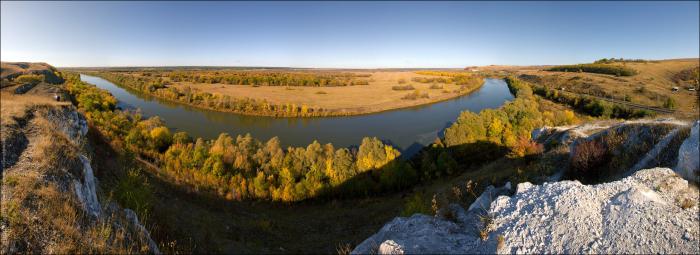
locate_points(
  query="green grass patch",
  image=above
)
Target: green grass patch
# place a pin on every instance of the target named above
(417, 203)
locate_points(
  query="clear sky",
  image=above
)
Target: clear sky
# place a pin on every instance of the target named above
(345, 34)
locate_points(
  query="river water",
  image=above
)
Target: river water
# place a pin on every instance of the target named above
(407, 128)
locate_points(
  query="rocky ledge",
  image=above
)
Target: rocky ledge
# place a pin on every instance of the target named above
(652, 211)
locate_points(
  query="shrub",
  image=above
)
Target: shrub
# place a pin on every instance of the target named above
(416, 204)
(404, 87)
(670, 104)
(525, 147)
(597, 108)
(586, 158)
(415, 95)
(161, 138)
(436, 86)
(133, 191)
(30, 78)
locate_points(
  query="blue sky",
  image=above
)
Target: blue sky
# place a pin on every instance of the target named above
(345, 34)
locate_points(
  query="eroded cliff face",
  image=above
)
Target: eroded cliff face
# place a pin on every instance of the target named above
(652, 210)
(50, 196)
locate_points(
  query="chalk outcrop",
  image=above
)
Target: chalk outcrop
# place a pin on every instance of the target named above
(643, 213)
(86, 189)
(688, 155)
(69, 122)
(483, 202)
(653, 211)
(68, 169)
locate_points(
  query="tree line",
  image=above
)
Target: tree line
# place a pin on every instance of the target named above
(594, 107)
(616, 70)
(267, 78)
(459, 78)
(214, 101)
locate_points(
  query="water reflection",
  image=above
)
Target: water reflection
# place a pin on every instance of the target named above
(406, 128)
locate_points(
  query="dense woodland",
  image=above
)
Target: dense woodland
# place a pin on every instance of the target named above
(243, 167)
(617, 70)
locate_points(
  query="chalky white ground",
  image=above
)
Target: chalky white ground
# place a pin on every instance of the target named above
(638, 214)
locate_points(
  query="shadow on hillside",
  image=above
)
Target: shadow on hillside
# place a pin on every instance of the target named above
(402, 174)
(201, 220)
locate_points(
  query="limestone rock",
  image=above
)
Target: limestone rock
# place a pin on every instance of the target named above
(86, 191)
(638, 214)
(688, 155)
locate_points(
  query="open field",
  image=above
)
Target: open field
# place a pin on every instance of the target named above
(375, 97)
(652, 86)
(381, 93)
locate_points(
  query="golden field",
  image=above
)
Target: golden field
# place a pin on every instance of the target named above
(342, 100)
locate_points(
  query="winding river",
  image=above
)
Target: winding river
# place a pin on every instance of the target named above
(408, 128)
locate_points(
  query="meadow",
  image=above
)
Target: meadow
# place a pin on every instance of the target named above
(652, 83)
(296, 93)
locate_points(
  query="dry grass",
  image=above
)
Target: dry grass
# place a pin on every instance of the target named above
(16, 106)
(651, 86)
(39, 210)
(501, 242)
(375, 97)
(485, 230)
(344, 249)
(686, 203)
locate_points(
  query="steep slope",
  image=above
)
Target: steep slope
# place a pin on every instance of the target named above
(649, 211)
(50, 201)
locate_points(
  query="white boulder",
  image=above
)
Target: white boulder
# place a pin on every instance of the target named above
(688, 163)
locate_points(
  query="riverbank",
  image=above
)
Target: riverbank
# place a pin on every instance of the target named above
(403, 128)
(380, 95)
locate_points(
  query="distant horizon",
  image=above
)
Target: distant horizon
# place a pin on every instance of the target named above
(358, 68)
(345, 35)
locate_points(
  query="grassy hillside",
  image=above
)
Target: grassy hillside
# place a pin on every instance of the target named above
(12, 72)
(652, 85)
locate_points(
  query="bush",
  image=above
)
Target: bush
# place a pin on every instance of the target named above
(404, 87)
(597, 108)
(133, 191)
(415, 95)
(30, 78)
(586, 159)
(670, 104)
(416, 204)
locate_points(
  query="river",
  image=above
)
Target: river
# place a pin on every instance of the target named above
(406, 128)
